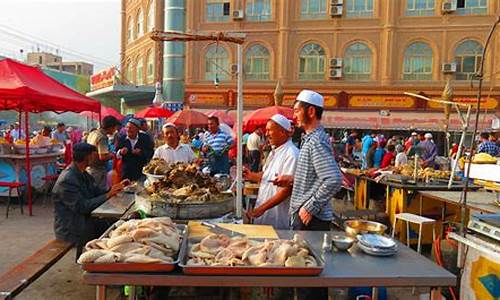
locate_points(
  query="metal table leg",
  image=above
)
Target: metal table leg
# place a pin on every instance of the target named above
(100, 292)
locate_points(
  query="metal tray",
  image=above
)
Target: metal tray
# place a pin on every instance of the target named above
(248, 270)
(137, 267)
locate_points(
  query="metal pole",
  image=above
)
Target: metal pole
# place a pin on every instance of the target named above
(480, 75)
(239, 116)
(465, 127)
(28, 162)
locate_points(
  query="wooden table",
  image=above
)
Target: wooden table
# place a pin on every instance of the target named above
(342, 269)
(481, 201)
(115, 207)
(402, 198)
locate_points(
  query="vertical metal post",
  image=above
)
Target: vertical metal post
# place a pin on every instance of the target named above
(465, 127)
(239, 116)
(28, 161)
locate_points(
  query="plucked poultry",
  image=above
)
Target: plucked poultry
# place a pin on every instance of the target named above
(221, 250)
(182, 184)
(153, 240)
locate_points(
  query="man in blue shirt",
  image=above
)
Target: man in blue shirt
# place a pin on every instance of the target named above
(366, 143)
(216, 147)
(488, 146)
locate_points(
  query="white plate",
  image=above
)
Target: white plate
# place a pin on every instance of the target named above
(377, 252)
(376, 241)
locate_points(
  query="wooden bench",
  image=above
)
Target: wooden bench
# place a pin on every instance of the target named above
(15, 280)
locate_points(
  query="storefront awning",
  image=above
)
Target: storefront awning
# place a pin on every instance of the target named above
(130, 93)
(432, 121)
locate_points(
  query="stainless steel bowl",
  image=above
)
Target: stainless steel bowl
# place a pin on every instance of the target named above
(355, 227)
(342, 242)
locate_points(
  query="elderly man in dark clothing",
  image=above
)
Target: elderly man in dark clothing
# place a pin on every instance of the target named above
(76, 195)
(135, 150)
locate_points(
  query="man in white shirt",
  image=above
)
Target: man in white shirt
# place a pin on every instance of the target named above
(173, 151)
(272, 204)
(254, 146)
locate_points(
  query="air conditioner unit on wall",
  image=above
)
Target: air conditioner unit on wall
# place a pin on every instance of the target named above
(238, 14)
(336, 10)
(336, 2)
(335, 73)
(448, 68)
(449, 6)
(336, 62)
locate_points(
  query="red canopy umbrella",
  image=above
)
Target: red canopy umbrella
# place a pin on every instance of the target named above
(258, 118)
(27, 89)
(223, 116)
(188, 118)
(105, 111)
(154, 112)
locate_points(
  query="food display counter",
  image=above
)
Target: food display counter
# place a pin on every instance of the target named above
(342, 269)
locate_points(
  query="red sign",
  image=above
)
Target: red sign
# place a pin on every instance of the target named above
(103, 79)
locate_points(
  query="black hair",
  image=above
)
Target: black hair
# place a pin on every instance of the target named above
(391, 148)
(47, 128)
(318, 111)
(60, 124)
(82, 150)
(109, 122)
(215, 119)
(485, 135)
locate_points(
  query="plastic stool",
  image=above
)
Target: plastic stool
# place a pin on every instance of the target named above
(11, 186)
(415, 219)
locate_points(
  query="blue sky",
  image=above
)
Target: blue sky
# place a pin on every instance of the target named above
(86, 30)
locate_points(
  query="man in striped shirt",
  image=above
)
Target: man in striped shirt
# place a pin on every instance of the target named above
(216, 147)
(317, 177)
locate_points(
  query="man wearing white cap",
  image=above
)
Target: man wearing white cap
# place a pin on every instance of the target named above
(272, 203)
(317, 177)
(429, 150)
(173, 151)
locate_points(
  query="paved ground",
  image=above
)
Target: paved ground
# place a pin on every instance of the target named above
(22, 235)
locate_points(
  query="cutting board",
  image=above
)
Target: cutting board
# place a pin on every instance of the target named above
(251, 231)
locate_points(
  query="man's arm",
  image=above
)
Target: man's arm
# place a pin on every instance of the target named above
(72, 197)
(281, 195)
(329, 177)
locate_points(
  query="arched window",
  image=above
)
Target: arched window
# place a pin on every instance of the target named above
(358, 62)
(139, 70)
(140, 23)
(150, 67)
(359, 8)
(313, 9)
(419, 8)
(468, 56)
(257, 63)
(258, 10)
(130, 29)
(216, 63)
(128, 72)
(418, 62)
(151, 16)
(312, 62)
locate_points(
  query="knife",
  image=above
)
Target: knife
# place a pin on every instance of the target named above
(214, 228)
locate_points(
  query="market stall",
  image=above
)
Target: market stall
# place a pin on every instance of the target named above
(341, 269)
(27, 89)
(404, 197)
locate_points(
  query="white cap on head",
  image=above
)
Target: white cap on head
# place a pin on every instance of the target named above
(428, 136)
(414, 133)
(311, 97)
(282, 121)
(168, 125)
